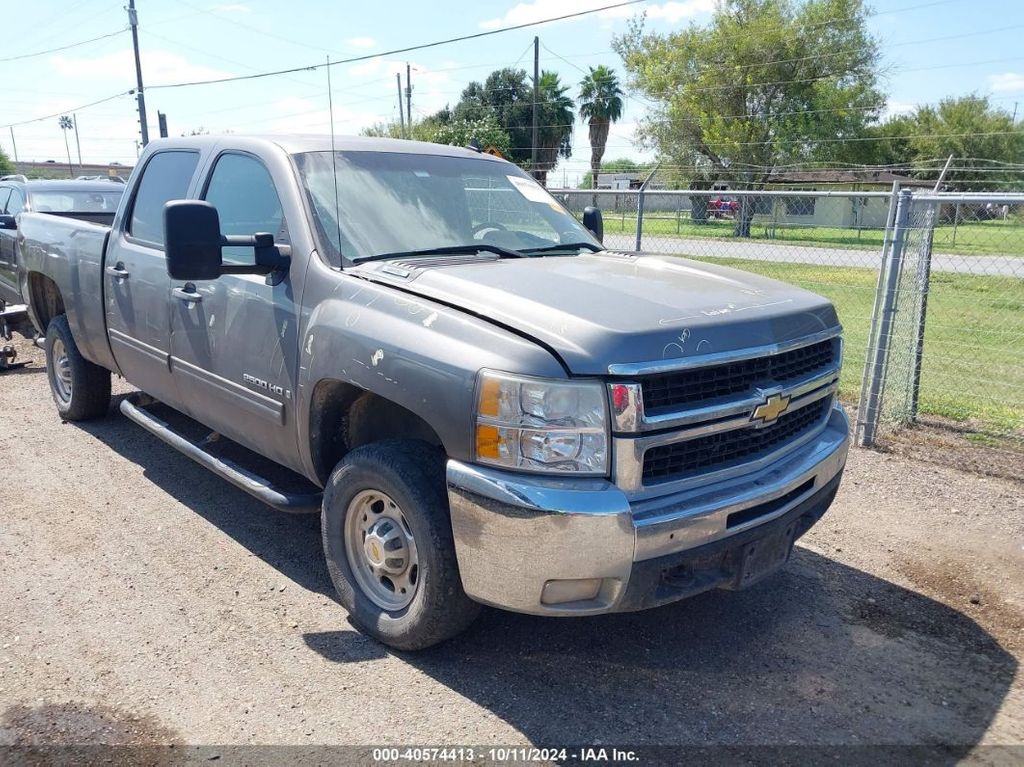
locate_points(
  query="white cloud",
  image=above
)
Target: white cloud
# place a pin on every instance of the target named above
(159, 66)
(361, 42)
(301, 115)
(1007, 82)
(898, 108)
(538, 10)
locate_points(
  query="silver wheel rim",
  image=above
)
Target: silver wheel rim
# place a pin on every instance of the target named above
(381, 551)
(61, 371)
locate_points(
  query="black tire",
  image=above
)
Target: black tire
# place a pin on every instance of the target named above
(412, 473)
(89, 395)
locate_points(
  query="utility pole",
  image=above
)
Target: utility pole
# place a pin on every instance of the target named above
(161, 121)
(78, 145)
(133, 21)
(14, 145)
(401, 117)
(408, 96)
(536, 100)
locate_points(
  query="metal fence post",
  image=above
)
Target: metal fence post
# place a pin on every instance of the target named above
(639, 217)
(890, 226)
(640, 206)
(924, 278)
(870, 405)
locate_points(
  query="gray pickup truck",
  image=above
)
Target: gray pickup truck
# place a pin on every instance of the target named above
(486, 405)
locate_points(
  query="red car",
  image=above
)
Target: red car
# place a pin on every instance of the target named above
(722, 207)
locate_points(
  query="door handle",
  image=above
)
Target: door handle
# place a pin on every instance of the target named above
(189, 296)
(118, 272)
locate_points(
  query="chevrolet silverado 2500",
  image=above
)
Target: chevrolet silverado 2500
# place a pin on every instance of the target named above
(492, 408)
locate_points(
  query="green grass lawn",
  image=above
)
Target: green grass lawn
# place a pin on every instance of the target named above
(969, 239)
(974, 344)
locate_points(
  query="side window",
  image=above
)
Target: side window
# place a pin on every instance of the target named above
(166, 177)
(17, 202)
(243, 193)
(4, 194)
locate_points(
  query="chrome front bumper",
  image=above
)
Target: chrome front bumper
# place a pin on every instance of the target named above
(570, 547)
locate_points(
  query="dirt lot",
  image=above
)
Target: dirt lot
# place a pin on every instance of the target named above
(144, 600)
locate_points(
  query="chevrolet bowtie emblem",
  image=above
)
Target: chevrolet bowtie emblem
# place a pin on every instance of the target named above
(773, 406)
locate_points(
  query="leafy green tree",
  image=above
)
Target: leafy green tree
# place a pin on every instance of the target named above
(983, 140)
(979, 136)
(507, 96)
(6, 166)
(66, 124)
(485, 130)
(766, 83)
(555, 118)
(601, 105)
(442, 128)
(423, 130)
(620, 165)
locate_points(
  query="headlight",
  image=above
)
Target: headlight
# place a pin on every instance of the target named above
(541, 425)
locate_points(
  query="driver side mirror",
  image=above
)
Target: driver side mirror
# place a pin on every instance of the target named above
(193, 243)
(594, 222)
(192, 240)
(7, 221)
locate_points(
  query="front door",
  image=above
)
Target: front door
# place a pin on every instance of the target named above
(136, 285)
(234, 339)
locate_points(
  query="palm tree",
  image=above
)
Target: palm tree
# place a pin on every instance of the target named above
(556, 119)
(66, 124)
(601, 103)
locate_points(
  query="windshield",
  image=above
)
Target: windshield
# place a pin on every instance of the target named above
(391, 202)
(75, 202)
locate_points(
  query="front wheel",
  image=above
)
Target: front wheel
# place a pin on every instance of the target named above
(388, 541)
(81, 390)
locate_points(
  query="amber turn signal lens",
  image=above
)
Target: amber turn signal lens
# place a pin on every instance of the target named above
(490, 398)
(488, 442)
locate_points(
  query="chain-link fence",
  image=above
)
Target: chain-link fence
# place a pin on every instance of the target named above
(947, 346)
(930, 294)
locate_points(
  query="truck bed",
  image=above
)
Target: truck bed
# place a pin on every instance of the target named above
(69, 251)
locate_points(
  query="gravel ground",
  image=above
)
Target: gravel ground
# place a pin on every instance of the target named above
(144, 600)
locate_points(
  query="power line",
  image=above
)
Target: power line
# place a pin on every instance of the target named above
(62, 112)
(64, 47)
(422, 46)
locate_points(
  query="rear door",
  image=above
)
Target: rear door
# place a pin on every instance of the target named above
(234, 345)
(137, 289)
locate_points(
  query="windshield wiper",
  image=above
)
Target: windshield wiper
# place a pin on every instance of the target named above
(449, 250)
(565, 246)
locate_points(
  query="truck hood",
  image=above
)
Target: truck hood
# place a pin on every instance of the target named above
(601, 309)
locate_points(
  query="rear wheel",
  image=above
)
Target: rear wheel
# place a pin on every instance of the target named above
(80, 389)
(388, 541)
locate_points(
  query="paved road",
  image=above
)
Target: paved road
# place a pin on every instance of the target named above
(762, 250)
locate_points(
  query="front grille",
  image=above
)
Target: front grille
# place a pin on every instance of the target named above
(687, 387)
(718, 451)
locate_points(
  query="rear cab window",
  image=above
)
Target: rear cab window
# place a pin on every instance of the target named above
(16, 204)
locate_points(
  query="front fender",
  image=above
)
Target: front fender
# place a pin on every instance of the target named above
(414, 352)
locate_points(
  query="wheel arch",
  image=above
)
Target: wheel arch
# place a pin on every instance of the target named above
(343, 416)
(45, 301)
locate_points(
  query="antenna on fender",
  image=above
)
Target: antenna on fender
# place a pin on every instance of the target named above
(334, 157)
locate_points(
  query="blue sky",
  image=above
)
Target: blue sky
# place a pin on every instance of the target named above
(932, 48)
